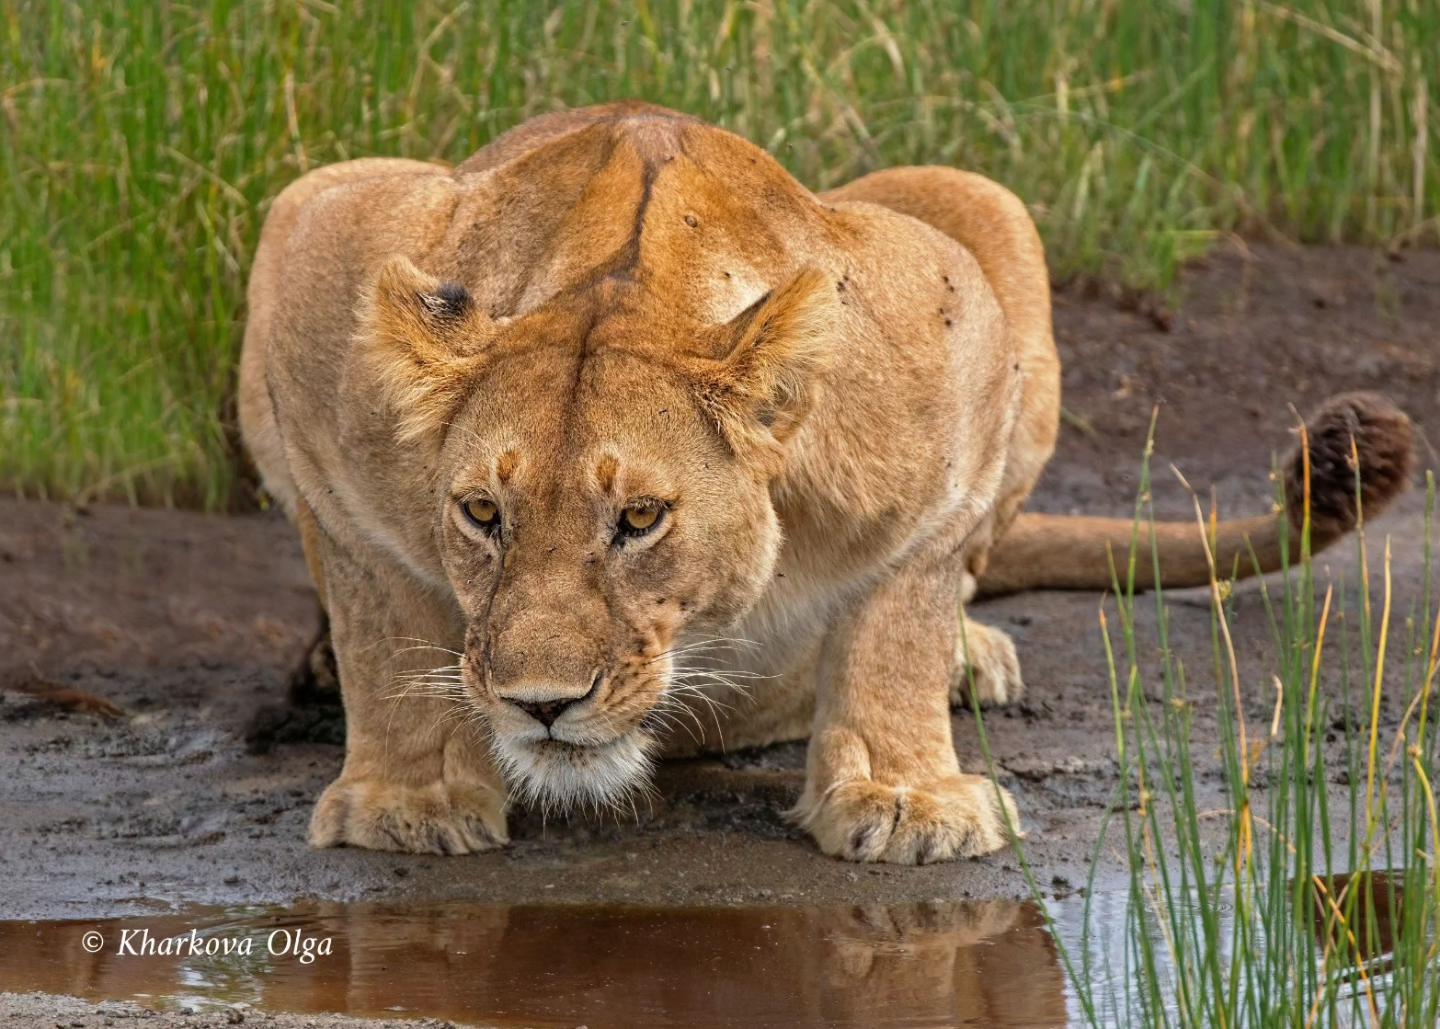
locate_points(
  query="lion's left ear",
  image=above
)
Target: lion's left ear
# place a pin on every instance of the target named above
(423, 340)
(779, 347)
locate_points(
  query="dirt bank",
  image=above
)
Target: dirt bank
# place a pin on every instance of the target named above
(188, 623)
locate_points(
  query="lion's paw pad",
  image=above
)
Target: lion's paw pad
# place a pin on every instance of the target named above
(959, 817)
(989, 655)
(442, 818)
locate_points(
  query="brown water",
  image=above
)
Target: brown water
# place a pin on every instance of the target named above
(1370, 905)
(943, 964)
(940, 964)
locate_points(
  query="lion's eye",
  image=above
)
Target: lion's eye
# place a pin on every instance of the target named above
(483, 514)
(640, 518)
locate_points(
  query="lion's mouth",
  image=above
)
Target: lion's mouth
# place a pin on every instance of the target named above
(594, 762)
(562, 774)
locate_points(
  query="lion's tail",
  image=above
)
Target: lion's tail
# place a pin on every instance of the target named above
(1042, 551)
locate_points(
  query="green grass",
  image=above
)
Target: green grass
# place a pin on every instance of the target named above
(1329, 829)
(140, 141)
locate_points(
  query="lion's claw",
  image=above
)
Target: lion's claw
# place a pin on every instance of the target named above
(990, 656)
(958, 817)
(442, 818)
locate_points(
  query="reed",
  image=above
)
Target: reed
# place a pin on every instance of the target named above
(139, 143)
(1320, 904)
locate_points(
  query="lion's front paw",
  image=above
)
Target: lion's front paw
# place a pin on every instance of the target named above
(989, 655)
(957, 817)
(442, 818)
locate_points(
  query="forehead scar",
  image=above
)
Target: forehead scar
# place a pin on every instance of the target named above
(505, 466)
(605, 472)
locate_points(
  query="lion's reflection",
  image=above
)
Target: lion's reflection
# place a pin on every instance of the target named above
(934, 964)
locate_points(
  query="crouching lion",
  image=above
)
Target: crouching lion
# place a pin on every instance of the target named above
(616, 414)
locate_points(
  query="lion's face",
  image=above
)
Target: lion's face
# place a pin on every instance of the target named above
(592, 519)
(599, 512)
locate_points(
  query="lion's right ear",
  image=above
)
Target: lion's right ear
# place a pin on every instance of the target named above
(423, 339)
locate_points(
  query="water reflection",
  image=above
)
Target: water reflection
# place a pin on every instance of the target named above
(990, 964)
(1357, 917)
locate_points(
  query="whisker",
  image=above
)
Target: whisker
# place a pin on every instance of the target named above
(737, 673)
(698, 694)
(666, 717)
(703, 644)
(419, 644)
(686, 709)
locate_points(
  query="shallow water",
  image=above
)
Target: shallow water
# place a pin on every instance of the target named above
(977, 964)
(990, 963)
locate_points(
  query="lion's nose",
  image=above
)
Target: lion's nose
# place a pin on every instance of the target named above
(545, 709)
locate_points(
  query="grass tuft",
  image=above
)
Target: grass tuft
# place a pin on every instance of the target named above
(1320, 906)
(142, 141)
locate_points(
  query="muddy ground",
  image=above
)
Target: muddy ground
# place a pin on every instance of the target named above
(188, 623)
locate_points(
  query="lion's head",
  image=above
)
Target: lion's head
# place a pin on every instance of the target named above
(599, 502)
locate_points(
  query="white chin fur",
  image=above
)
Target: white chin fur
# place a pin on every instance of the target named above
(552, 774)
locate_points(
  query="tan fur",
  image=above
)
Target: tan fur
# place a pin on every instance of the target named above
(841, 401)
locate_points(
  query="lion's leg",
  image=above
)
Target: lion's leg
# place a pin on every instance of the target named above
(781, 708)
(985, 657)
(316, 678)
(995, 226)
(417, 774)
(883, 782)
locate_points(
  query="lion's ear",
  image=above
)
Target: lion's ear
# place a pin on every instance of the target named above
(779, 348)
(424, 339)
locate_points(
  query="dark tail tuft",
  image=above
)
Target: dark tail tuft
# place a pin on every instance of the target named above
(1384, 442)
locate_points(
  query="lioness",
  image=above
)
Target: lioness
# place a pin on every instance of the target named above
(617, 414)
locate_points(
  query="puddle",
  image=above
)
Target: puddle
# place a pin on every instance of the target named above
(973, 964)
(938, 964)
